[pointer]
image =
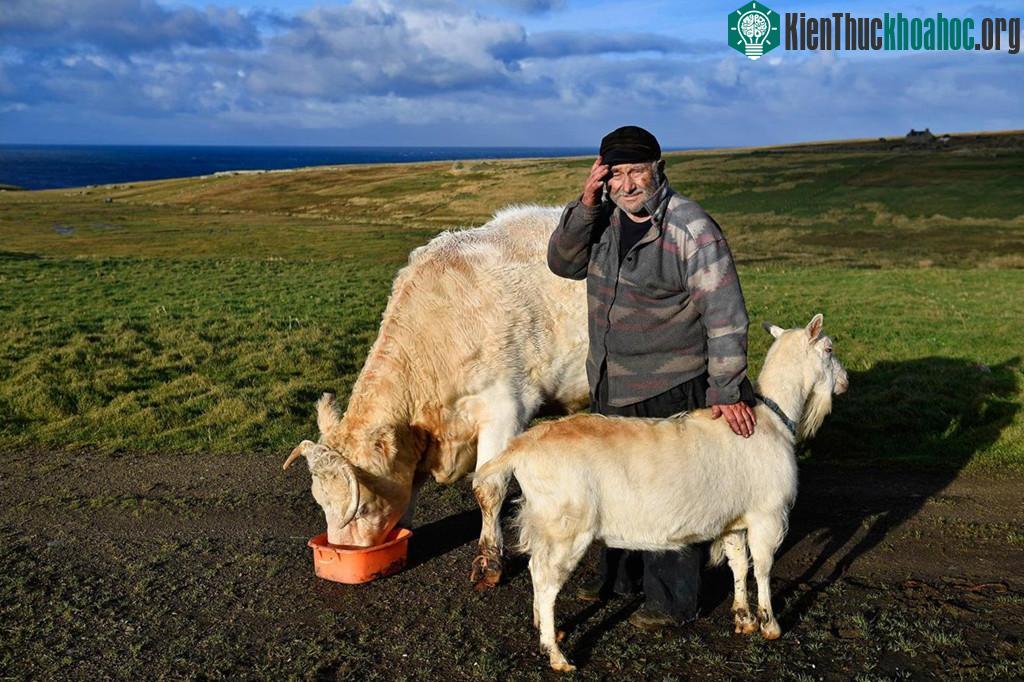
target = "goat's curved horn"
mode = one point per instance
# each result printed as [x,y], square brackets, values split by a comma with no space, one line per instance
[346,469]
[300,451]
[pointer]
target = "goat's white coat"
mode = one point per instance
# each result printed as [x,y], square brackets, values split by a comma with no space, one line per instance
[660,484]
[477,335]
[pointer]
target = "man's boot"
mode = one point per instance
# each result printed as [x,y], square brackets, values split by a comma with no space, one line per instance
[593,590]
[647,618]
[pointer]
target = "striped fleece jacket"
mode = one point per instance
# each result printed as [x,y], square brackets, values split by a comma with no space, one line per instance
[673,310]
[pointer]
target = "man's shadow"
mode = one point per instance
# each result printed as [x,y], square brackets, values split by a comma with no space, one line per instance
[900,436]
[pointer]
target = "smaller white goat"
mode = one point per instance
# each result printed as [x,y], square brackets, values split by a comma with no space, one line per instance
[659,484]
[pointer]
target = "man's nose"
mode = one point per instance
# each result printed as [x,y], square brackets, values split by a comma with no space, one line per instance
[628,185]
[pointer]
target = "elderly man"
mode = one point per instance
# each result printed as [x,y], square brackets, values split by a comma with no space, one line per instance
[668,332]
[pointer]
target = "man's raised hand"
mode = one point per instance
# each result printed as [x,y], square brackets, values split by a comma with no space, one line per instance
[594,185]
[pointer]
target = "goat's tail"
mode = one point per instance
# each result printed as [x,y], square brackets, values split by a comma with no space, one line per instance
[490,487]
[717,552]
[490,483]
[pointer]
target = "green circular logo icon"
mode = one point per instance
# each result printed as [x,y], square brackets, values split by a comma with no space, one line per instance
[754,29]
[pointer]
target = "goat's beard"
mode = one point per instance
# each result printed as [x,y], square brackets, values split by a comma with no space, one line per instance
[817,407]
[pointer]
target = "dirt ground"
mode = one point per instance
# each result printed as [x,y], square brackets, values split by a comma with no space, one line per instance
[180,566]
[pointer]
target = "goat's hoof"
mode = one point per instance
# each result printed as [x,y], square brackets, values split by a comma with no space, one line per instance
[563,666]
[486,572]
[771,630]
[487,583]
[745,622]
[746,627]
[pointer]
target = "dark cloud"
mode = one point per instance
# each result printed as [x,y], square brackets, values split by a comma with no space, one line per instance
[120,26]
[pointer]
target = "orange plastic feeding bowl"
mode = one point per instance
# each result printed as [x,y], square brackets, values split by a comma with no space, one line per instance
[354,565]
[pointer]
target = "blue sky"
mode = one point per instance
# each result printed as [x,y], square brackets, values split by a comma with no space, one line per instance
[452,72]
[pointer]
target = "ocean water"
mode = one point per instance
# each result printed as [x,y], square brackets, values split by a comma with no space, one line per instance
[52,167]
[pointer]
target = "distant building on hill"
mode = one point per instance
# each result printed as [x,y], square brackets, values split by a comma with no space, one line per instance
[920,136]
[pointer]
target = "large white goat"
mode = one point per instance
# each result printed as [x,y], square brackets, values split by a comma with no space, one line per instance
[478,337]
[659,484]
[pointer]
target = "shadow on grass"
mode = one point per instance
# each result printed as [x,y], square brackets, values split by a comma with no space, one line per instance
[442,536]
[583,647]
[915,425]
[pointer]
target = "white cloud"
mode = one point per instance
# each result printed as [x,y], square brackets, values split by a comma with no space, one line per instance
[376,47]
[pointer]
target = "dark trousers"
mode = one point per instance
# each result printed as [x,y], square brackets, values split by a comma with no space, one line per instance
[670,580]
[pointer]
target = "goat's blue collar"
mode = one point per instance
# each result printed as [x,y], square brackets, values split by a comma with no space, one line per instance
[774,407]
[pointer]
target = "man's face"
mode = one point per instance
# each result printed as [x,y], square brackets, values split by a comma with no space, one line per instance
[631,184]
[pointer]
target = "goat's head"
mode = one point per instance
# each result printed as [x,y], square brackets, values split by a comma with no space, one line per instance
[809,353]
[353,480]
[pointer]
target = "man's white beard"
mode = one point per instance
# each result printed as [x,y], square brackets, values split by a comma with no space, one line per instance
[643,204]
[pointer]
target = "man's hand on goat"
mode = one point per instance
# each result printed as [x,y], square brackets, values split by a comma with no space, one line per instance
[594,185]
[740,416]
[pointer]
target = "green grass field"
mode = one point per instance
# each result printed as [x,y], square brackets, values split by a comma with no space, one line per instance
[207,314]
[160,353]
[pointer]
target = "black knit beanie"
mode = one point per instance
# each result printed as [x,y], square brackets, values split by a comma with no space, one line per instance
[629,144]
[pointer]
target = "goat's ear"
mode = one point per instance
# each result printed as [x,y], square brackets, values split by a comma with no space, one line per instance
[384,442]
[814,326]
[326,413]
[772,329]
